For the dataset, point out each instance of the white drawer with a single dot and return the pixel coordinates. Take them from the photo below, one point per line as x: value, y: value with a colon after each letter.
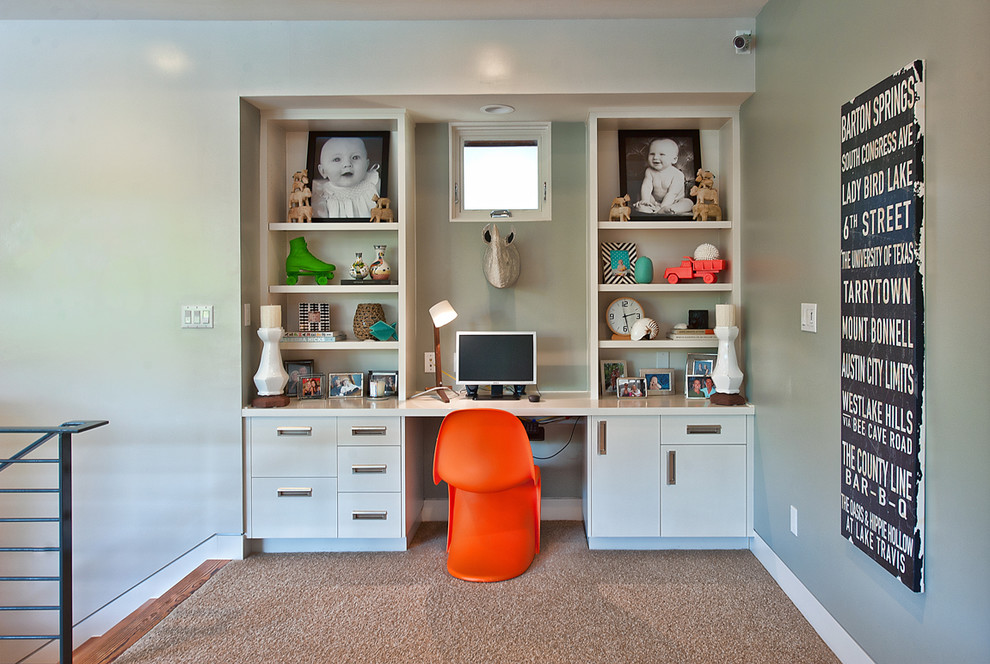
x: 702, y: 429
x: 369, y: 468
x: 369, y: 515
x: 294, y: 507
x: 298, y: 446
x: 368, y: 431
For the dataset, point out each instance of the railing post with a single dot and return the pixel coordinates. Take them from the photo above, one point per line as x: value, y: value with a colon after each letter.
x: 65, y: 548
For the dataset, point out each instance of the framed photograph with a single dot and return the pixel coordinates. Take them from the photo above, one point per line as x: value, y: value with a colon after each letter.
x: 612, y: 370
x: 697, y: 319
x: 657, y: 169
x: 618, y: 262
x: 630, y: 388
x: 313, y: 386
x: 345, y: 385
x: 347, y: 170
x: 700, y: 364
x: 297, y: 369
x: 314, y: 317
x: 658, y: 381
x: 694, y: 386
x: 383, y: 384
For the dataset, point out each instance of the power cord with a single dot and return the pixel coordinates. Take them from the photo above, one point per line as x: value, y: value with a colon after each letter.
x: 569, y: 438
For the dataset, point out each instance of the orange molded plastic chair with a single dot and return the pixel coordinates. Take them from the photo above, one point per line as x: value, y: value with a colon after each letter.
x: 493, y: 527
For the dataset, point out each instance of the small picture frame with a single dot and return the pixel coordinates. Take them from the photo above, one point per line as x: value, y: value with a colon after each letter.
x: 611, y: 371
x: 382, y: 384
x: 630, y: 388
x: 347, y: 169
x: 694, y: 386
x: 297, y: 369
x: 658, y: 381
x: 618, y: 262
x: 700, y: 364
x: 313, y: 386
x: 343, y: 385
x: 314, y: 317
x: 659, y: 187
x: 698, y: 319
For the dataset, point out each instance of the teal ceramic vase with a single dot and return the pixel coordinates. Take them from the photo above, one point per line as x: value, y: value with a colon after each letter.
x: 644, y: 270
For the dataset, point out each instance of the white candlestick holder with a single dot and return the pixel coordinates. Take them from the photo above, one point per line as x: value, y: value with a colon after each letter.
x: 727, y: 375
x: 271, y: 378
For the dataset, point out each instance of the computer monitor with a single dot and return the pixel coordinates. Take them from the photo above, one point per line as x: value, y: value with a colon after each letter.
x: 495, y: 358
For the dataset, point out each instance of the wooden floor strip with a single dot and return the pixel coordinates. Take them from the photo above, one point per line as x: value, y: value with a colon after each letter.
x: 108, y: 647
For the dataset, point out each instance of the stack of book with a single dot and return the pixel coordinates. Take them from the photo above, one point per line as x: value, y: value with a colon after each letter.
x: 689, y: 333
x: 314, y: 336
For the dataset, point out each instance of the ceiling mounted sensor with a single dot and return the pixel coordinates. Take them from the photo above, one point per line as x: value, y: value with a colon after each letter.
x: 743, y: 41
x: 497, y: 109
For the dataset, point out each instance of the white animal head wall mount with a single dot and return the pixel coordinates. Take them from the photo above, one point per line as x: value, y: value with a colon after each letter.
x: 501, y: 262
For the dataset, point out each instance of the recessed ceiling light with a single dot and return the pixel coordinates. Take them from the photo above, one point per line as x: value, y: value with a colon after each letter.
x: 497, y: 109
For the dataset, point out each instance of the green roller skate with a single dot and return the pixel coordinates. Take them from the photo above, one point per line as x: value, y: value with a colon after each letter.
x: 301, y: 262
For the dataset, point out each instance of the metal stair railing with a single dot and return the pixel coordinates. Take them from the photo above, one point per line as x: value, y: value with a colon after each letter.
x: 63, y: 436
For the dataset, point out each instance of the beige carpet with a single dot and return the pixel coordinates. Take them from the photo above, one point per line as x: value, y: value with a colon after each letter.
x: 573, y: 605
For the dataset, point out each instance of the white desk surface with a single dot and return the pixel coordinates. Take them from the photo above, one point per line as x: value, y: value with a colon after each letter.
x: 557, y: 404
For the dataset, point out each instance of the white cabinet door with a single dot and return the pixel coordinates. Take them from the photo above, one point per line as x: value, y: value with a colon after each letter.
x: 703, y: 491
x: 624, y: 458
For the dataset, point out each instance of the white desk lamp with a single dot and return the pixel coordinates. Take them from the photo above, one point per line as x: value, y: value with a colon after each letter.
x: 441, y: 313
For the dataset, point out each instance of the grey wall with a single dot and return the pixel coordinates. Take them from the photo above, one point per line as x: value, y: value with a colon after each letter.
x: 811, y: 58
x: 120, y: 190
x: 549, y: 296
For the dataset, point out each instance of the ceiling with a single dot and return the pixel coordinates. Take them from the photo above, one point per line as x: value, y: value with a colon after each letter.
x: 265, y: 10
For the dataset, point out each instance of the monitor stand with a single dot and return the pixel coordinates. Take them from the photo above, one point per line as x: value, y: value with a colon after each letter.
x: 497, y: 392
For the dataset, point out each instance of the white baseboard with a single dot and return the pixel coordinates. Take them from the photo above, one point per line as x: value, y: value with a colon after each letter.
x: 551, y: 509
x: 218, y: 547
x: 832, y: 633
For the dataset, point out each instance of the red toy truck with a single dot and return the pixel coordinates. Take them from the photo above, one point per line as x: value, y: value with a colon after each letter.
x: 691, y: 268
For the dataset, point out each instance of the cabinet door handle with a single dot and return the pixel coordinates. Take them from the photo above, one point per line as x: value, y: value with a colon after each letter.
x: 294, y: 431
x: 369, y: 431
x: 306, y: 492
x: 671, y: 467
x: 358, y: 469
x: 369, y: 515
x: 704, y: 429
x: 602, y: 445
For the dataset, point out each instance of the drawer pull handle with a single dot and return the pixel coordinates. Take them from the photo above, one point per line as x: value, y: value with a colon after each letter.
x: 295, y: 491
x: 704, y: 429
x: 294, y: 431
x: 369, y: 431
x: 671, y: 467
x: 358, y: 469
x: 602, y: 446
x: 369, y: 515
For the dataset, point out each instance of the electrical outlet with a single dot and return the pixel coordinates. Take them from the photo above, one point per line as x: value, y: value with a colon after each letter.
x: 794, y: 520
x: 429, y: 362
x: 809, y: 317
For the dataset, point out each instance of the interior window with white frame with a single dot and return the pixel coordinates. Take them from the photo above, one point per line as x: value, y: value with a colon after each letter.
x: 500, y: 170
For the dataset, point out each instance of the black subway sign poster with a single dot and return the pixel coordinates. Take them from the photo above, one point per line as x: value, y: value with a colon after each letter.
x: 882, y: 324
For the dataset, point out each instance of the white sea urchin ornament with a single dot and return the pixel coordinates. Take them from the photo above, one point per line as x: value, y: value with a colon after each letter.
x: 706, y: 252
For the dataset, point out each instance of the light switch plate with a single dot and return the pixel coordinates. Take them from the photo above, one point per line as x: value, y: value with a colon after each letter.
x: 809, y: 317
x: 197, y: 316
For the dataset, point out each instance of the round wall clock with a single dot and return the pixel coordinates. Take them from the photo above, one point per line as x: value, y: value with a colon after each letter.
x: 622, y: 312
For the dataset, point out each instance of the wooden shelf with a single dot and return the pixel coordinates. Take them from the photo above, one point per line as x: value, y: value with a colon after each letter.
x: 661, y: 344
x: 665, y: 287
x: 322, y: 226
x: 661, y: 225
x: 339, y: 345
x: 313, y: 288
